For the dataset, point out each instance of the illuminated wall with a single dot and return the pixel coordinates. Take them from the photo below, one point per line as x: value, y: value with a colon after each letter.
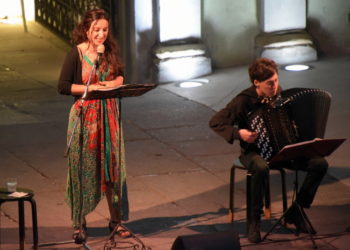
x: 180, y: 54
x: 283, y: 36
x: 282, y: 15
x: 178, y: 19
x: 12, y: 9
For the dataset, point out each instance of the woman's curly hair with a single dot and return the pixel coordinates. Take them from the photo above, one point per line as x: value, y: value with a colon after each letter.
x: 111, y: 54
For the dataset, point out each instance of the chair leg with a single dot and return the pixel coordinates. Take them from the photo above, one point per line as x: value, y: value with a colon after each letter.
x: 249, y: 199
x: 21, y: 224
x: 284, y: 190
x: 34, y: 224
x: 267, y: 210
x: 231, y: 198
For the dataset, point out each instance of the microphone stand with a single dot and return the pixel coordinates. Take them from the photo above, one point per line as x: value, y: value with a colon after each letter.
x: 111, y: 243
x: 82, y: 100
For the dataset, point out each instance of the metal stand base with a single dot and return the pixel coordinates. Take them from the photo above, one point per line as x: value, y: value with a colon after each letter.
x: 121, y: 243
x: 310, y: 229
x: 82, y: 241
x: 85, y: 245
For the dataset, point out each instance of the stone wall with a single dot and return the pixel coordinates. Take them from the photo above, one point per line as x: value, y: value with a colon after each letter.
x: 229, y: 28
x: 329, y: 24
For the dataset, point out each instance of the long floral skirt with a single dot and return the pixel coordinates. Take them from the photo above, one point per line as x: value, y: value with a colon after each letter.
x: 96, y: 157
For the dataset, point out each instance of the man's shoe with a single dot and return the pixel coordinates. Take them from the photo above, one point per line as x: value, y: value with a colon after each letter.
x: 302, y: 227
x: 254, y: 232
x: 290, y: 216
x: 293, y: 216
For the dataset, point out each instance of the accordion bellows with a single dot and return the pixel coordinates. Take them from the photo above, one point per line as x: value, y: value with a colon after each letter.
x: 297, y: 115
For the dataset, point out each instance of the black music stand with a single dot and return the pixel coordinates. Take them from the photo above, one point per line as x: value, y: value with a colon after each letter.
x: 309, y: 149
x: 129, y: 90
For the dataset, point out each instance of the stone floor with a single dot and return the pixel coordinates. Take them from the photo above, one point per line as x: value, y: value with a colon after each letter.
x: 178, y: 169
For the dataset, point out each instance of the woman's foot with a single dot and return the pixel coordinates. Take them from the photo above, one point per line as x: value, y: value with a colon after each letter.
x: 120, y: 231
x: 79, y: 236
x: 123, y: 233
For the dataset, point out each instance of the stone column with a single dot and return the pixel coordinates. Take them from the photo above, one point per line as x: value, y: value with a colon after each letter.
x: 136, y: 29
x: 284, y: 37
x: 180, y: 54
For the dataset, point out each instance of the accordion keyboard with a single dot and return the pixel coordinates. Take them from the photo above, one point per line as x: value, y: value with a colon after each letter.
x: 275, y: 129
x: 299, y: 114
x: 263, y: 141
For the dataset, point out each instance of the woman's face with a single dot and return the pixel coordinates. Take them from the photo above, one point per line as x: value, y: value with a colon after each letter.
x: 97, y: 34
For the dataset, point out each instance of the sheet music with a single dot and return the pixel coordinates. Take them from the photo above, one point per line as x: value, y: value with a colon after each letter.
x: 312, y: 148
x: 110, y: 88
x: 303, y: 143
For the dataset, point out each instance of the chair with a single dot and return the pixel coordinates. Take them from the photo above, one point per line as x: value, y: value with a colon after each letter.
x: 4, y: 197
x: 267, y: 210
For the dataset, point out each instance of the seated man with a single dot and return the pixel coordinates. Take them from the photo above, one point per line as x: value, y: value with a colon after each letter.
x: 231, y: 123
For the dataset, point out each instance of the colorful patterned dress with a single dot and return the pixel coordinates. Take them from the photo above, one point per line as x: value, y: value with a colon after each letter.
x: 95, y: 149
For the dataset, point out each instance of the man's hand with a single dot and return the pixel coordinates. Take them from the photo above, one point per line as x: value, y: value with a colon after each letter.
x: 247, y: 135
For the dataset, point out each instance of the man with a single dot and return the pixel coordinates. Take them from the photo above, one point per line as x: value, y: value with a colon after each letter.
x: 231, y: 124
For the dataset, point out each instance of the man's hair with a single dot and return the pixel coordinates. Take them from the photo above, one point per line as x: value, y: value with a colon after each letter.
x: 262, y: 69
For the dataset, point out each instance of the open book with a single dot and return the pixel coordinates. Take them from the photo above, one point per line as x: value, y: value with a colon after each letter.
x: 312, y: 148
x: 110, y: 88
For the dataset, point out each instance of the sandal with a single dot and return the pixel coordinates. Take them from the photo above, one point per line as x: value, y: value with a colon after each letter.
x: 121, y: 232
x: 79, y: 236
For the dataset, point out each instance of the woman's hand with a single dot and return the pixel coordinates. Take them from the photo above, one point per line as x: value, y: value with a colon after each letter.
x: 96, y: 87
x: 247, y: 135
x: 119, y: 80
x: 105, y: 85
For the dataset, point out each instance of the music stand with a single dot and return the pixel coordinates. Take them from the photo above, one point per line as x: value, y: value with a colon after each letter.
x: 128, y: 90
x: 309, y: 149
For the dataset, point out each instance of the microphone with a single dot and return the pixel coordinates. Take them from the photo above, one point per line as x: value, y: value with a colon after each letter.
x: 100, y: 51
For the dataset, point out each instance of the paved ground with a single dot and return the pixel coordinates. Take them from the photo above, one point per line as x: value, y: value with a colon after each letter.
x: 178, y: 169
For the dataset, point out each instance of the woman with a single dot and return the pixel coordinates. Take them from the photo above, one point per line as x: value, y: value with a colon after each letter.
x: 94, y: 147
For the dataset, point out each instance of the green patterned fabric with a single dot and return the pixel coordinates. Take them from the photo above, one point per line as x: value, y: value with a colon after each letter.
x: 96, y: 151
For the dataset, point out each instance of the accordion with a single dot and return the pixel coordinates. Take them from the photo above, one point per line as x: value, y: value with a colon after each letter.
x: 297, y: 115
